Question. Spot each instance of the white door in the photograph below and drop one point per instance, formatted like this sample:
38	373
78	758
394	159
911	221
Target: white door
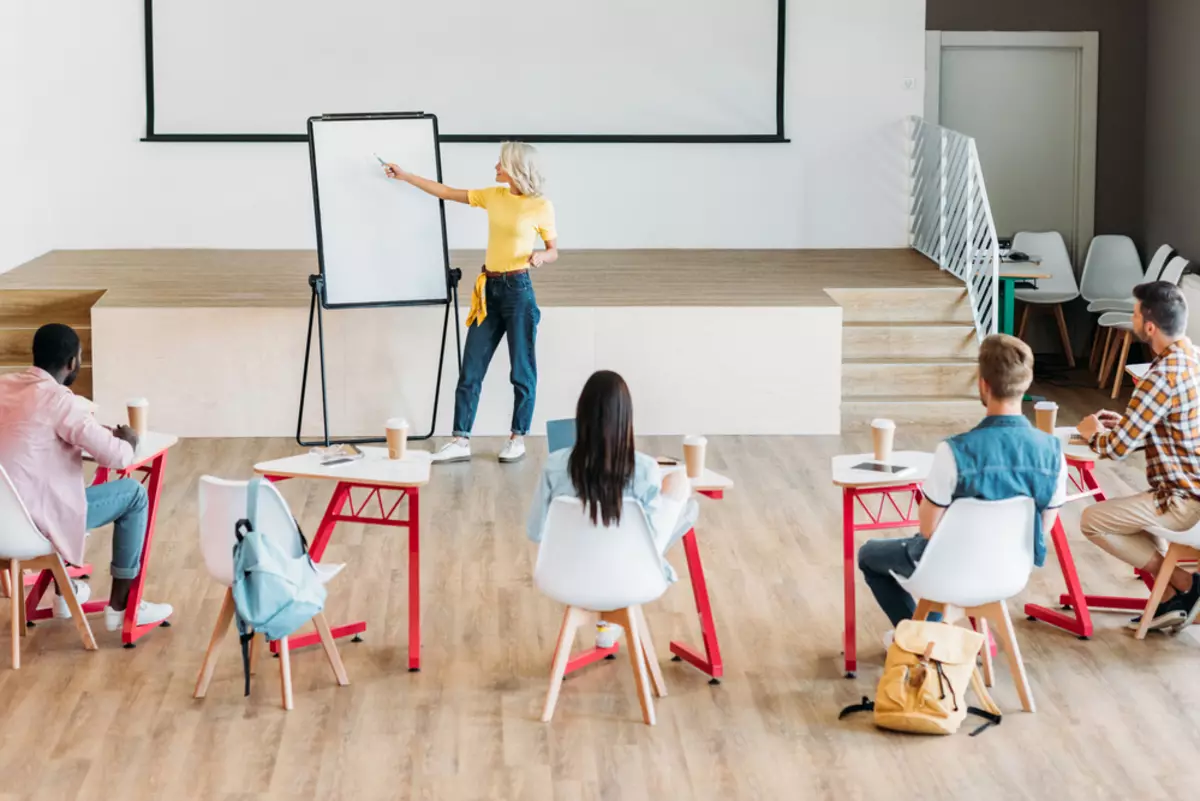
1024	99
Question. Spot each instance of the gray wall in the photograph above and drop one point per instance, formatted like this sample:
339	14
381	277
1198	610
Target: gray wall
1173	126
1121	136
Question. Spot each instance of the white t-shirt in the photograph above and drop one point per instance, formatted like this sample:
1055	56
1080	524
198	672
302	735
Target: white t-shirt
943	478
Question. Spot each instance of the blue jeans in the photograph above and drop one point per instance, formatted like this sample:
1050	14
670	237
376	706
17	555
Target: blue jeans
512	310
123	502
878	559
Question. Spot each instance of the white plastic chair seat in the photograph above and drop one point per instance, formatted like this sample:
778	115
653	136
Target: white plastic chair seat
981	553
1119	320
1111	305
1112	269
1190	537
1045	296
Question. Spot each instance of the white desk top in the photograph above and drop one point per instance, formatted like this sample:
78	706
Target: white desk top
1074	453
709	481
374	468
844	474
150	446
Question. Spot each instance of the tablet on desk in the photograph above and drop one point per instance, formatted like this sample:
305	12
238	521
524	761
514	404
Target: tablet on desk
885	469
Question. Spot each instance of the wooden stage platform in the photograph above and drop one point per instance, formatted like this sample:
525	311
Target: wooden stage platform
719	342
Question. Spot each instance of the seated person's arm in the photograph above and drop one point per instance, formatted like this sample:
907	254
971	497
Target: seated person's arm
539	509
1130	432
113	449
938	490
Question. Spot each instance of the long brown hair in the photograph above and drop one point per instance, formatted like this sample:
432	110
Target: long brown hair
601	464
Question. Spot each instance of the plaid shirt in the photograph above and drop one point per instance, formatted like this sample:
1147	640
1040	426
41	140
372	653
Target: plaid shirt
1164	413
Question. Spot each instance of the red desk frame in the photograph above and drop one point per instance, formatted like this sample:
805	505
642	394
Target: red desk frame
378	508
907	495
1074	600
151	475
709	662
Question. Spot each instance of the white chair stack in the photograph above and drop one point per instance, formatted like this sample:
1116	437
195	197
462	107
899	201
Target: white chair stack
23	547
1111	271
592	569
1060	288
1116	345
1182	546
980	556
222	504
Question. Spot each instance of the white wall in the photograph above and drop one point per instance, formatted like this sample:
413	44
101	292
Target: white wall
840	183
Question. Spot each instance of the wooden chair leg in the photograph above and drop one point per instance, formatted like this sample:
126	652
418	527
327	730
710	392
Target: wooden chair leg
989	677
656	676
1094	353
254	649
20	593
1064	334
1106	358
641	676
68	594
6	581
573	618
923	609
224	618
1117	379
331	650
1024	320
1161	582
15	604
285	672
997	615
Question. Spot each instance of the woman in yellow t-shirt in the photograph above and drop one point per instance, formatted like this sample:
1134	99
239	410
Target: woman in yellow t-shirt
503	303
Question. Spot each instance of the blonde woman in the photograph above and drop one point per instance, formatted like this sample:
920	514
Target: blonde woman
502	304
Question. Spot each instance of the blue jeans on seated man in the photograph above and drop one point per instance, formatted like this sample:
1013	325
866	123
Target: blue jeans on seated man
125	503
878	559
513	314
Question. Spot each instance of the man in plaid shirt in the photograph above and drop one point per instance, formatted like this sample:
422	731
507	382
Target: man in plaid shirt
1164	417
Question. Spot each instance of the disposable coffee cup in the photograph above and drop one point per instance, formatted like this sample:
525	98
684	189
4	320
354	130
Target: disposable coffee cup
397	437
883	435
139	415
1046	413
693	454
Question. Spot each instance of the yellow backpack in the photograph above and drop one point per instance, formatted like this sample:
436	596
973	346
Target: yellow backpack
924	683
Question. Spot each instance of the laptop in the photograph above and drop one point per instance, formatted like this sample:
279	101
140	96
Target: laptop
560	434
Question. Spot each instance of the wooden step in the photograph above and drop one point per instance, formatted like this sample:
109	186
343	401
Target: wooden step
32	308
16	344
925	378
82	385
931	305
946	413
909	341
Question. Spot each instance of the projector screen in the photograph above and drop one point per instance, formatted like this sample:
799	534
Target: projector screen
380	242
540	70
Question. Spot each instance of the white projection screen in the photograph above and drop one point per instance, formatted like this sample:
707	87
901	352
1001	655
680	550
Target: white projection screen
380	242
487	68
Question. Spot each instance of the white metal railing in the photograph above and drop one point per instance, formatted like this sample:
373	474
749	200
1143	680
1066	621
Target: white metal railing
951	219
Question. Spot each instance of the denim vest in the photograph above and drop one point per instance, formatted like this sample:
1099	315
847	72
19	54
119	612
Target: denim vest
1005	457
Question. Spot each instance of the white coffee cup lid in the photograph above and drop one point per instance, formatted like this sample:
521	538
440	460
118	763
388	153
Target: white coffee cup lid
694	439
137	402
396	422
1043	406
880	422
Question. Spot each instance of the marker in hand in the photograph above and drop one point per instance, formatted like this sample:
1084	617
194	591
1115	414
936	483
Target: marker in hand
381	161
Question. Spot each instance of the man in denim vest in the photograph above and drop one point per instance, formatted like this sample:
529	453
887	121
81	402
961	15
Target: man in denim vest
1003	457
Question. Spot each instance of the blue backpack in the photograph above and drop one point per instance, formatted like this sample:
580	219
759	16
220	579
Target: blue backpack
274	592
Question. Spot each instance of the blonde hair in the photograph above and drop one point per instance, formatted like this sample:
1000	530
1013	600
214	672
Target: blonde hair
519	160
1006	366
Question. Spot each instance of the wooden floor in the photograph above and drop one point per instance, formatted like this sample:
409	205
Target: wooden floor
1116	718
267	278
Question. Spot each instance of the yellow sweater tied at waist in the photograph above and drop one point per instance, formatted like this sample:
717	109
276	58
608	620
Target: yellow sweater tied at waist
478	311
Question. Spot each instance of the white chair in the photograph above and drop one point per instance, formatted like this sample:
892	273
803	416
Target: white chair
592	569
980	556
1182	546
1051	292
222	504
1116	347
23	547
1124	303
1111	271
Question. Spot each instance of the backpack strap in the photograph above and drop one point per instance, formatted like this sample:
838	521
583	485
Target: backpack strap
867	705
990	712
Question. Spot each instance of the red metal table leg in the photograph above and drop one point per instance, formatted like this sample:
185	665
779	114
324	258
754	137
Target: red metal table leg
710	661
131	632
850	635
414	581
1080	624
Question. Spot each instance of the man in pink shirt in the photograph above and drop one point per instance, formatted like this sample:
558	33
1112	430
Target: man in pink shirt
44	429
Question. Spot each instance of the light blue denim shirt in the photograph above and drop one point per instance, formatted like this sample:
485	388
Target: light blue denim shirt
644	487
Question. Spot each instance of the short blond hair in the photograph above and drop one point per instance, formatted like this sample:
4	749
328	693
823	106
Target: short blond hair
520	161
1006	366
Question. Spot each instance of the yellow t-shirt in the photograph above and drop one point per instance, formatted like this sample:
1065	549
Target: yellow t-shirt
514	223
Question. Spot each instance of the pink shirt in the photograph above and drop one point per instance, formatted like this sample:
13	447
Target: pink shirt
43	433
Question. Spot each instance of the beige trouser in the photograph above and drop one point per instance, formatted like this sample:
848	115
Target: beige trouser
1119	526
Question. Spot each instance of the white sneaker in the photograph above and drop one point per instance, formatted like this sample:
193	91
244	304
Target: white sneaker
148	613
82	593
513	450
607	634
456	450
